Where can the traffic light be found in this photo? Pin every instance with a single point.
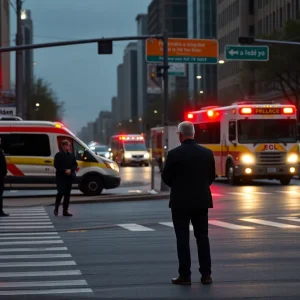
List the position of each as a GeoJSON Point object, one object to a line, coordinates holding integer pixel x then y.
{"type": "Point", "coordinates": [246, 40]}
{"type": "Point", "coordinates": [159, 71]}
{"type": "Point", "coordinates": [105, 47]}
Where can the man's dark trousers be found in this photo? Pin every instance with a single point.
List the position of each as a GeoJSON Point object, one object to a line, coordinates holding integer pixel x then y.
{"type": "Point", "coordinates": [64, 187]}
{"type": "Point", "coordinates": [199, 218]}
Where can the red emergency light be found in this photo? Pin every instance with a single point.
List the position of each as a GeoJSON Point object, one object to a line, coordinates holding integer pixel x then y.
{"type": "Point", "coordinates": [288, 110]}
{"type": "Point", "coordinates": [210, 113]}
{"type": "Point", "coordinates": [190, 116]}
{"type": "Point", "coordinates": [246, 111]}
{"type": "Point", "coordinates": [123, 138]}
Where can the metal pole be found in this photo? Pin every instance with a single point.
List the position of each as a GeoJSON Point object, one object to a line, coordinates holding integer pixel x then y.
{"type": "Point", "coordinates": [19, 62]}
{"type": "Point", "coordinates": [163, 187]}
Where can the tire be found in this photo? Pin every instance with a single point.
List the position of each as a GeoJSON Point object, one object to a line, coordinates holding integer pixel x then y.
{"type": "Point", "coordinates": [92, 186]}
{"type": "Point", "coordinates": [285, 181]}
{"type": "Point", "coordinates": [232, 179]}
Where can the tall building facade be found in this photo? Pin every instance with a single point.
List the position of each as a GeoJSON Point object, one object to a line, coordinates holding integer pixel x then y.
{"type": "Point", "coordinates": [246, 18]}
{"type": "Point", "coordinates": [4, 42]}
{"type": "Point", "coordinates": [120, 92]}
{"type": "Point", "coordinates": [202, 24]}
{"type": "Point", "coordinates": [142, 29]}
{"type": "Point", "coordinates": [115, 113]}
{"type": "Point", "coordinates": [170, 15]}
{"type": "Point", "coordinates": [27, 32]}
{"type": "Point", "coordinates": [130, 82]}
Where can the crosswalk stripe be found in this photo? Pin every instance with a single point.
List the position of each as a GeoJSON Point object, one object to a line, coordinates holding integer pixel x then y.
{"type": "Point", "coordinates": [269, 223]}
{"type": "Point", "coordinates": [288, 192]}
{"type": "Point", "coordinates": [26, 227]}
{"type": "Point", "coordinates": [45, 292]}
{"type": "Point", "coordinates": [29, 233]}
{"type": "Point", "coordinates": [294, 219]}
{"type": "Point", "coordinates": [37, 264]}
{"type": "Point", "coordinates": [170, 224]}
{"type": "Point", "coordinates": [33, 249]}
{"type": "Point", "coordinates": [228, 225]}
{"type": "Point", "coordinates": [40, 273]}
{"type": "Point", "coordinates": [135, 227]}
{"type": "Point", "coordinates": [25, 256]}
{"type": "Point", "coordinates": [25, 223]}
{"type": "Point", "coordinates": [28, 238]}
{"type": "Point", "coordinates": [43, 283]}
{"type": "Point", "coordinates": [25, 214]}
{"type": "Point", "coordinates": [46, 217]}
{"type": "Point", "coordinates": [31, 242]}
{"type": "Point", "coordinates": [26, 210]}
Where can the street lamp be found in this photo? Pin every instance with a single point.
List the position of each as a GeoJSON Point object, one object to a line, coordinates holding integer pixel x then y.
{"type": "Point", "coordinates": [37, 105]}
{"type": "Point", "coordinates": [198, 77]}
{"type": "Point", "coordinates": [130, 121]}
{"type": "Point", "coordinates": [155, 111]}
{"type": "Point", "coordinates": [221, 61]}
{"type": "Point", "coordinates": [201, 92]}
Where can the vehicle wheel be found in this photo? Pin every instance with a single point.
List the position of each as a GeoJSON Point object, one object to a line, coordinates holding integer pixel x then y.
{"type": "Point", "coordinates": [285, 181]}
{"type": "Point", "coordinates": [232, 179]}
{"type": "Point", "coordinates": [92, 186]}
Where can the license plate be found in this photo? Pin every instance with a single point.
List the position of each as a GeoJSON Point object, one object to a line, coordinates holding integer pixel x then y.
{"type": "Point", "coordinates": [271, 170]}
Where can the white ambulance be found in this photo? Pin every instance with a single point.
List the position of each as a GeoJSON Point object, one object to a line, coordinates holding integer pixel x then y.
{"type": "Point", "coordinates": [250, 140]}
{"type": "Point", "coordinates": [30, 147]}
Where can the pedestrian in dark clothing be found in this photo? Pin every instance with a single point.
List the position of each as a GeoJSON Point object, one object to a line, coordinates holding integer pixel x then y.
{"type": "Point", "coordinates": [65, 164]}
{"type": "Point", "coordinates": [189, 171]}
{"type": "Point", "coordinates": [3, 172]}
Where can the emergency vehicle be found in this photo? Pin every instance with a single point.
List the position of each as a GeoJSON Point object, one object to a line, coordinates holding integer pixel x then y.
{"type": "Point", "coordinates": [129, 149]}
{"type": "Point", "coordinates": [163, 139]}
{"type": "Point", "coordinates": [250, 140]}
{"type": "Point", "coordinates": [30, 147]}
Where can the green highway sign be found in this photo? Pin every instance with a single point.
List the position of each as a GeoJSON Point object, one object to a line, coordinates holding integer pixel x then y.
{"type": "Point", "coordinates": [246, 53]}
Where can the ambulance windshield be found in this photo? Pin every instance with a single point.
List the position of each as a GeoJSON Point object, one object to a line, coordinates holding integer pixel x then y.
{"type": "Point", "coordinates": [267, 131]}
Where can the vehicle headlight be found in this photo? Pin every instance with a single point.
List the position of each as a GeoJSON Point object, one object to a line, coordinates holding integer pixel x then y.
{"type": "Point", "coordinates": [247, 159]}
{"type": "Point", "coordinates": [127, 155]}
{"type": "Point", "coordinates": [114, 166]}
{"type": "Point", "coordinates": [292, 158]}
{"type": "Point", "coordinates": [107, 154]}
{"type": "Point", "coordinates": [146, 155]}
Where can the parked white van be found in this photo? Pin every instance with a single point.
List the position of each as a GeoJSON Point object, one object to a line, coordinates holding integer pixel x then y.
{"type": "Point", "coordinates": [30, 147]}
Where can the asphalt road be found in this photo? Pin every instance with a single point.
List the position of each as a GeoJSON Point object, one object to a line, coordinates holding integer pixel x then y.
{"type": "Point", "coordinates": [127, 250]}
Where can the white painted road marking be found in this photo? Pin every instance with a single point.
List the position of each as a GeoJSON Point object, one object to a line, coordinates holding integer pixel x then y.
{"type": "Point", "coordinates": [294, 219]}
{"type": "Point", "coordinates": [37, 264]}
{"type": "Point", "coordinates": [269, 223]}
{"type": "Point", "coordinates": [29, 233]}
{"type": "Point", "coordinates": [228, 225]}
{"type": "Point", "coordinates": [135, 227]}
{"type": "Point", "coordinates": [43, 283]}
{"type": "Point", "coordinates": [33, 249]}
{"type": "Point", "coordinates": [31, 242]}
{"type": "Point", "coordinates": [28, 238]}
{"type": "Point", "coordinates": [35, 256]}
{"type": "Point", "coordinates": [40, 273]}
{"type": "Point", "coordinates": [45, 292]}
{"type": "Point", "coordinates": [26, 227]}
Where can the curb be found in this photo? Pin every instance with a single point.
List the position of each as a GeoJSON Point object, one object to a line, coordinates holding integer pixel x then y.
{"type": "Point", "coordinates": [118, 198]}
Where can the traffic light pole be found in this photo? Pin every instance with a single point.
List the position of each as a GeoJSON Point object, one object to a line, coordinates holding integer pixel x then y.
{"type": "Point", "coordinates": [19, 63]}
{"type": "Point", "coordinates": [163, 186]}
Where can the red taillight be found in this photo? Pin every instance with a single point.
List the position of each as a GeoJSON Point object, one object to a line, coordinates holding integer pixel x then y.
{"type": "Point", "coordinates": [246, 111]}
{"type": "Point", "coordinates": [210, 113]}
{"type": "Point", "coordinates": [288, 110]}
{"type": "Point", "coordinates": [190, 116]}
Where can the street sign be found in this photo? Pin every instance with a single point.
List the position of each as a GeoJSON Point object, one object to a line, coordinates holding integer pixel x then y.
{"type": "Point", "coordinates": [183, 51]}
{"type": "Point", "coordinates": [246, 53]}
{"type": "Point", "coordinates": [176, 69]}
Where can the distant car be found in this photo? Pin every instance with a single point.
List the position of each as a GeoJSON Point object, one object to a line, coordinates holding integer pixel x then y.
{"type": "Point", "coordinates": [101, 150]}
{"type": "Point", "coordinates": [10, 118]}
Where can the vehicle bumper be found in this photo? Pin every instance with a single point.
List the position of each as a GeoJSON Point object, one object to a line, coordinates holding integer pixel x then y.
{"type": "Point", "coordinates": [136, 161]}
{"type": "Point", "coordinates": [267, 172]}
{"type": "Point", "coordinates": [111, 182]}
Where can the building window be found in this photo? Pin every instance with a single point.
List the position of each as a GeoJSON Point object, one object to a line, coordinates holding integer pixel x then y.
{"type": "Point", "coordinates": [288, 11]}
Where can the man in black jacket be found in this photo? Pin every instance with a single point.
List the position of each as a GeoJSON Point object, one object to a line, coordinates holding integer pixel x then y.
{"type": "Point", "coordinates": [65, 164]}
{"type": "Point", "coordinates": [189, 171]}
{"type": "Point", "coordinates": [3, 172]}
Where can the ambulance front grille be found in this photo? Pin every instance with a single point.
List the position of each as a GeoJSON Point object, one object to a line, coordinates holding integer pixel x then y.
{"type": "Point", "coordinates": [270, 158]}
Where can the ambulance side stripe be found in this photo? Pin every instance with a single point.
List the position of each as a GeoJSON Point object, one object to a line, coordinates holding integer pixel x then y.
{"type": "Point", "coordinates": [33, 129]}
{"type": "Point", "coordinates": [14, 170]}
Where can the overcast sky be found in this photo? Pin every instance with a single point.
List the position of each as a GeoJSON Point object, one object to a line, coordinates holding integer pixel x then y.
{"type": "Point", "coordinates": [84, 80]}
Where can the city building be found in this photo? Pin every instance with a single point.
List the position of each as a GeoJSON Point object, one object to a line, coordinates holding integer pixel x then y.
{"type": "Point", "coordinates": [130, 82]}
{"type": "Point", "coordinates": [27, 33]}
{"type": "Point", "coordinates": [246, 18]}
{"type": "Point", "coordinates": [202, 78]}
{"type": "Point", "coordinates": [170, 15]}
{"type": "Point", "coordinates": [104, 128]}
{"type": "Point", "coordinates": [120, 92]}
{"type": "Point", "coordinates": [4, 42]}
{"type": "Point", "coordinates": [142, 29]}
{"type": "Point", "coordinates": [115, 113]}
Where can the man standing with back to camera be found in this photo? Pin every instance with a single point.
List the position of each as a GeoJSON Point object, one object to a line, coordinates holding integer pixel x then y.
{"type": "Point", "coordinates": [189, 171]}
{"type": "Point", "coordinates": [65, 164]}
